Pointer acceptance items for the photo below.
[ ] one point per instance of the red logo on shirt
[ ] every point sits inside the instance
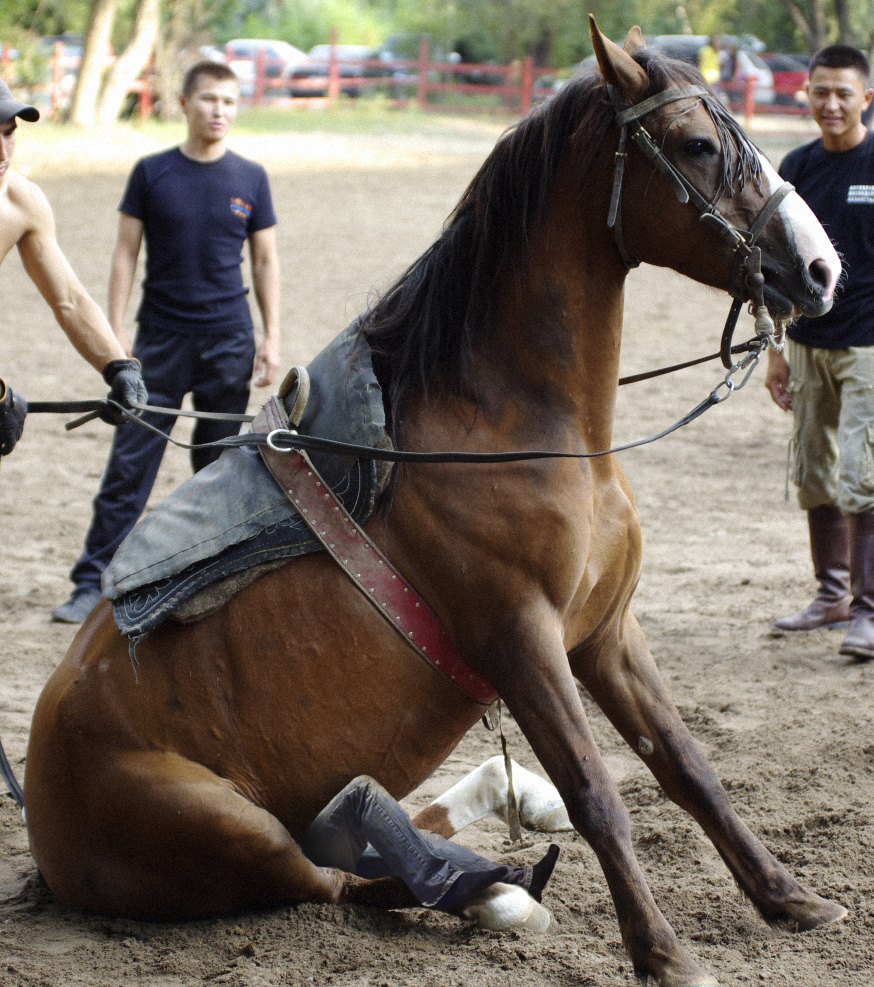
(241, 208)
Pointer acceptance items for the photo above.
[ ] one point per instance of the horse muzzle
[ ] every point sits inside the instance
(803, 290)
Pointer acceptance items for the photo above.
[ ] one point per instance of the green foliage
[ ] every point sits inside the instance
(44, 17)
(555, 32)
(305, 23)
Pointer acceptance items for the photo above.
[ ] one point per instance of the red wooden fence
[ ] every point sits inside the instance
(430, 85)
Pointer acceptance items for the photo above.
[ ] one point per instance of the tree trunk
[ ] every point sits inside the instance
(131, 63)
(813, 27)
(95, 54)
(845, 27)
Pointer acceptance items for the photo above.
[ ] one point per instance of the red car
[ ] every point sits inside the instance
(790, 76)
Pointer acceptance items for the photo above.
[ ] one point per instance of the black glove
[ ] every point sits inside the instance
(125, 379)
(13, 409)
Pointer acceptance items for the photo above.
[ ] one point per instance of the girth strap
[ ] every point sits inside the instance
(391, 595)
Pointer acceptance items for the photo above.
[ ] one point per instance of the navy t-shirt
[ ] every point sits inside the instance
(196, 219)
(839, 188)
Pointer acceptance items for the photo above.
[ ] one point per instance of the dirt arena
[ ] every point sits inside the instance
(785, 720)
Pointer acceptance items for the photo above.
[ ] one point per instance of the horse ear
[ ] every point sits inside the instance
(634, 40)
(616, 64)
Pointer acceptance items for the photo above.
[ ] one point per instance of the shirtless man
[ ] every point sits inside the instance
(26, 221)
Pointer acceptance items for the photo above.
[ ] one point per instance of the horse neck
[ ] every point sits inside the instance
(558, 325)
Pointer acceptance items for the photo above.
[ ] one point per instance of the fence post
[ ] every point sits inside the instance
(422, 86)
(526, 90)
(749, 99)
(57, 77)
(260, 75)
(147, 94)
(333, 70)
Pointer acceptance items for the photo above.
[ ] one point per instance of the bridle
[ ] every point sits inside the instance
(746, 280)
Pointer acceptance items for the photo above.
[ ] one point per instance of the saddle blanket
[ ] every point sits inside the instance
(231, 519)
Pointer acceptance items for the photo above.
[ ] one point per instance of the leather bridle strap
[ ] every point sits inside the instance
(640, 136)
(683, 189)
(745, 279)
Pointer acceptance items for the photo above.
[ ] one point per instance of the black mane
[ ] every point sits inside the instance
(423, 329)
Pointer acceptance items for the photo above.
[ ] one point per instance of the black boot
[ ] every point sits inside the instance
(860, 639)
(830, 551)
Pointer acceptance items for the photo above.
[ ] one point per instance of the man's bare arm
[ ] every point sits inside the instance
(74, 309)
(266, 278)
(122, 273)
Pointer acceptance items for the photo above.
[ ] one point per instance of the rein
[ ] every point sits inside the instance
(290, 440)
(89, 409)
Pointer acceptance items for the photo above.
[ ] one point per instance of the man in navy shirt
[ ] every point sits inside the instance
(196, 206)
(827, 377)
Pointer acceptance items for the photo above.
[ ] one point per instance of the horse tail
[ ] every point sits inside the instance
(15, 790)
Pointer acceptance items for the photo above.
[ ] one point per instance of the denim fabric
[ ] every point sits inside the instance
(236, 499)
(145, 607)
(364, 831)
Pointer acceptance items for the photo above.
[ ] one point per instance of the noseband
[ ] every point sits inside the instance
(746, 280)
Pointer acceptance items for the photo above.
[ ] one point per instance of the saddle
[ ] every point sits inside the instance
(209, 539)
(230, 523)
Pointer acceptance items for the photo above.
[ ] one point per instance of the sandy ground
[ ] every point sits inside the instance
(785, 720)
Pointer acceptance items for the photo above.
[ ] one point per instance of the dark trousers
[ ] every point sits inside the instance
(216, 370)
(364, 831)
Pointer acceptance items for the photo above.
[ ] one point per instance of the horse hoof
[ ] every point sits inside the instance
(810, 914)
(503, 907)
(686, 979)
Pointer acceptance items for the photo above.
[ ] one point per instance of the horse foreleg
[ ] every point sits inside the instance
(540, 691)
(629, 689)
(483, 792)
(157, 836)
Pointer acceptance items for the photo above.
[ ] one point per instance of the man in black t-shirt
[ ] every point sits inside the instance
(196, 206)
(827, 376)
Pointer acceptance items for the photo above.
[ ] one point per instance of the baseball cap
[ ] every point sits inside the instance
(10, 107)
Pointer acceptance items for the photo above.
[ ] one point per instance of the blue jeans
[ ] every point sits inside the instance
(216, 370)
(364, 831)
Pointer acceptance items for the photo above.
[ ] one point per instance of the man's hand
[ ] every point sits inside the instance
(777, 380)
(125, 379)
(266, 363)
(13, 410)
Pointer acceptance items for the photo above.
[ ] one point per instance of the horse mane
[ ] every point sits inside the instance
(423, 330)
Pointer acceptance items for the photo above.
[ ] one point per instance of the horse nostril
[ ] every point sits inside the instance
(820, 273)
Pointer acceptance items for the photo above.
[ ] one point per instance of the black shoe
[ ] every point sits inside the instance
(542, 872)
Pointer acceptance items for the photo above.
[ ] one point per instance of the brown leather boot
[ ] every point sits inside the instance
(830, 551)
(860, 639)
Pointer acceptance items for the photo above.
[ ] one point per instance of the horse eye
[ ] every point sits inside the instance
(699, 148)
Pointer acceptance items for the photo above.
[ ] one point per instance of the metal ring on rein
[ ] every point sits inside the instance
(748, 364)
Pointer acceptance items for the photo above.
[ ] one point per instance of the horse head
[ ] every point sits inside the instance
(682, 161)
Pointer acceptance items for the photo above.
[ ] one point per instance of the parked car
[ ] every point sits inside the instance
(790, 75)
(748, 64)
(241, 55)
(355, 64)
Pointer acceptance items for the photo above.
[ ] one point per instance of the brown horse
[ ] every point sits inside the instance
(177, 788)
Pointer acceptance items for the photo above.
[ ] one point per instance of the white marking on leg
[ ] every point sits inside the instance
(483, 793)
